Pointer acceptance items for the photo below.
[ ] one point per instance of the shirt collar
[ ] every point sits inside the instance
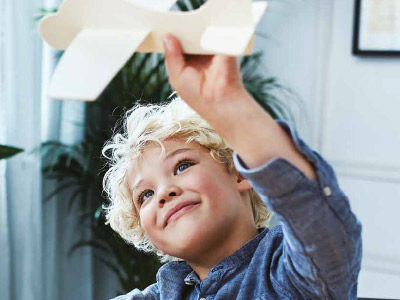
(182, 272)
(242, 255)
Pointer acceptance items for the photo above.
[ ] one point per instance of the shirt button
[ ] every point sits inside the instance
(327, 191)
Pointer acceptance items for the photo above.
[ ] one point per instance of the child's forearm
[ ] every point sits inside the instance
(322, 248)
(255, 136)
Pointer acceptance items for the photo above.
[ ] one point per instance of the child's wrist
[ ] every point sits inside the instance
(234, 112)
(237, 94)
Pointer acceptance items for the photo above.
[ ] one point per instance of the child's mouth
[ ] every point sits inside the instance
(181, 212)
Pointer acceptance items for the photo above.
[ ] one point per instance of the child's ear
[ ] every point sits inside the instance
(242, 183)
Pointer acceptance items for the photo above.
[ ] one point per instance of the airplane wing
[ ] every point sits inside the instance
(229, 40)
(234, 40)
(161, 5)
(92, 60)
(95, 56)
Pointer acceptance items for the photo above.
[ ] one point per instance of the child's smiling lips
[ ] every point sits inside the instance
(179, 210)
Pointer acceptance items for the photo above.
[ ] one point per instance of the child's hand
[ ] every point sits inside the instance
(205, 82)
(212, 86)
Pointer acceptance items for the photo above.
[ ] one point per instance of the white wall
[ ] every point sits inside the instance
(352, 112)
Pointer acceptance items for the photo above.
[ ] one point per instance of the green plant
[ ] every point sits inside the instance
(43, 12)
(8, 151)
(79, 168)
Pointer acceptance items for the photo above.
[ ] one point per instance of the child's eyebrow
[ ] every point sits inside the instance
(169, 155)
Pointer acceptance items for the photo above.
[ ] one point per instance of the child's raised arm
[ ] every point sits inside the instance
(317, 252)
(213, 87)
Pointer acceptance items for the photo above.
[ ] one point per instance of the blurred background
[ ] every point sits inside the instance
(330, 67)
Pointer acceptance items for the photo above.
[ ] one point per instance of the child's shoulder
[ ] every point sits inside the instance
(270, 243)
(149, 293)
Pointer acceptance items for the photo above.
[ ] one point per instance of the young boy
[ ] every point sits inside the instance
(208, 217)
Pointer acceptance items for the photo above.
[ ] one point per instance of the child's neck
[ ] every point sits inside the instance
(230, 245)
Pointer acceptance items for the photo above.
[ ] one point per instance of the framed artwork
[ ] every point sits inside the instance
(376, 27)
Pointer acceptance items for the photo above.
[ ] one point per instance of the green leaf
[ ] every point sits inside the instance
(182, 6)
(98, 212)
(59, 189)
(44, 12)
(8, 151)
(89, 243)
(195, 4)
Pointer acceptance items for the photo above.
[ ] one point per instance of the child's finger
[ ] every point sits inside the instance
(229, 62)
(174, 59)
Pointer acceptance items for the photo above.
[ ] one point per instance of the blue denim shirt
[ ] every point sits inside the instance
(315, 252)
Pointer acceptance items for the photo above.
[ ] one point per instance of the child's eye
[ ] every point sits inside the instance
(142, 196)
(182, 165)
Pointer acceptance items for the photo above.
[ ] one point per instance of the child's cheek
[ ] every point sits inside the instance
(148, 219)
(152, 228)
(209, 187)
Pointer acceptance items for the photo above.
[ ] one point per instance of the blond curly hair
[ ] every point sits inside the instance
(145, 124)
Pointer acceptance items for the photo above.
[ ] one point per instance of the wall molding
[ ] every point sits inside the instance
(377, 263)
(366, 171)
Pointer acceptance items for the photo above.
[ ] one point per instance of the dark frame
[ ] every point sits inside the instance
(356, 37)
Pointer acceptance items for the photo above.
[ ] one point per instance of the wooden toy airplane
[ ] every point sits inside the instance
(101, 35)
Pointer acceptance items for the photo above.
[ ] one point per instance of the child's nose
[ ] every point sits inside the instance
(172, 194)
(169, 194)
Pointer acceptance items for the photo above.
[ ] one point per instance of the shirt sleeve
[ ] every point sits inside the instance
(322, 237)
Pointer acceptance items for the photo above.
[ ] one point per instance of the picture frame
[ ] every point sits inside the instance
(376, 29)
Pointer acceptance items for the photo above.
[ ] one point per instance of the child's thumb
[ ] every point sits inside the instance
(174, 59)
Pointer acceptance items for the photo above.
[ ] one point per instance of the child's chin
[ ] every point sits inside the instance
(191, 235)
(185, 227)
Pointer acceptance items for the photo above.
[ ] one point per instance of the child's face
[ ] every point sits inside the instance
(217, 203)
